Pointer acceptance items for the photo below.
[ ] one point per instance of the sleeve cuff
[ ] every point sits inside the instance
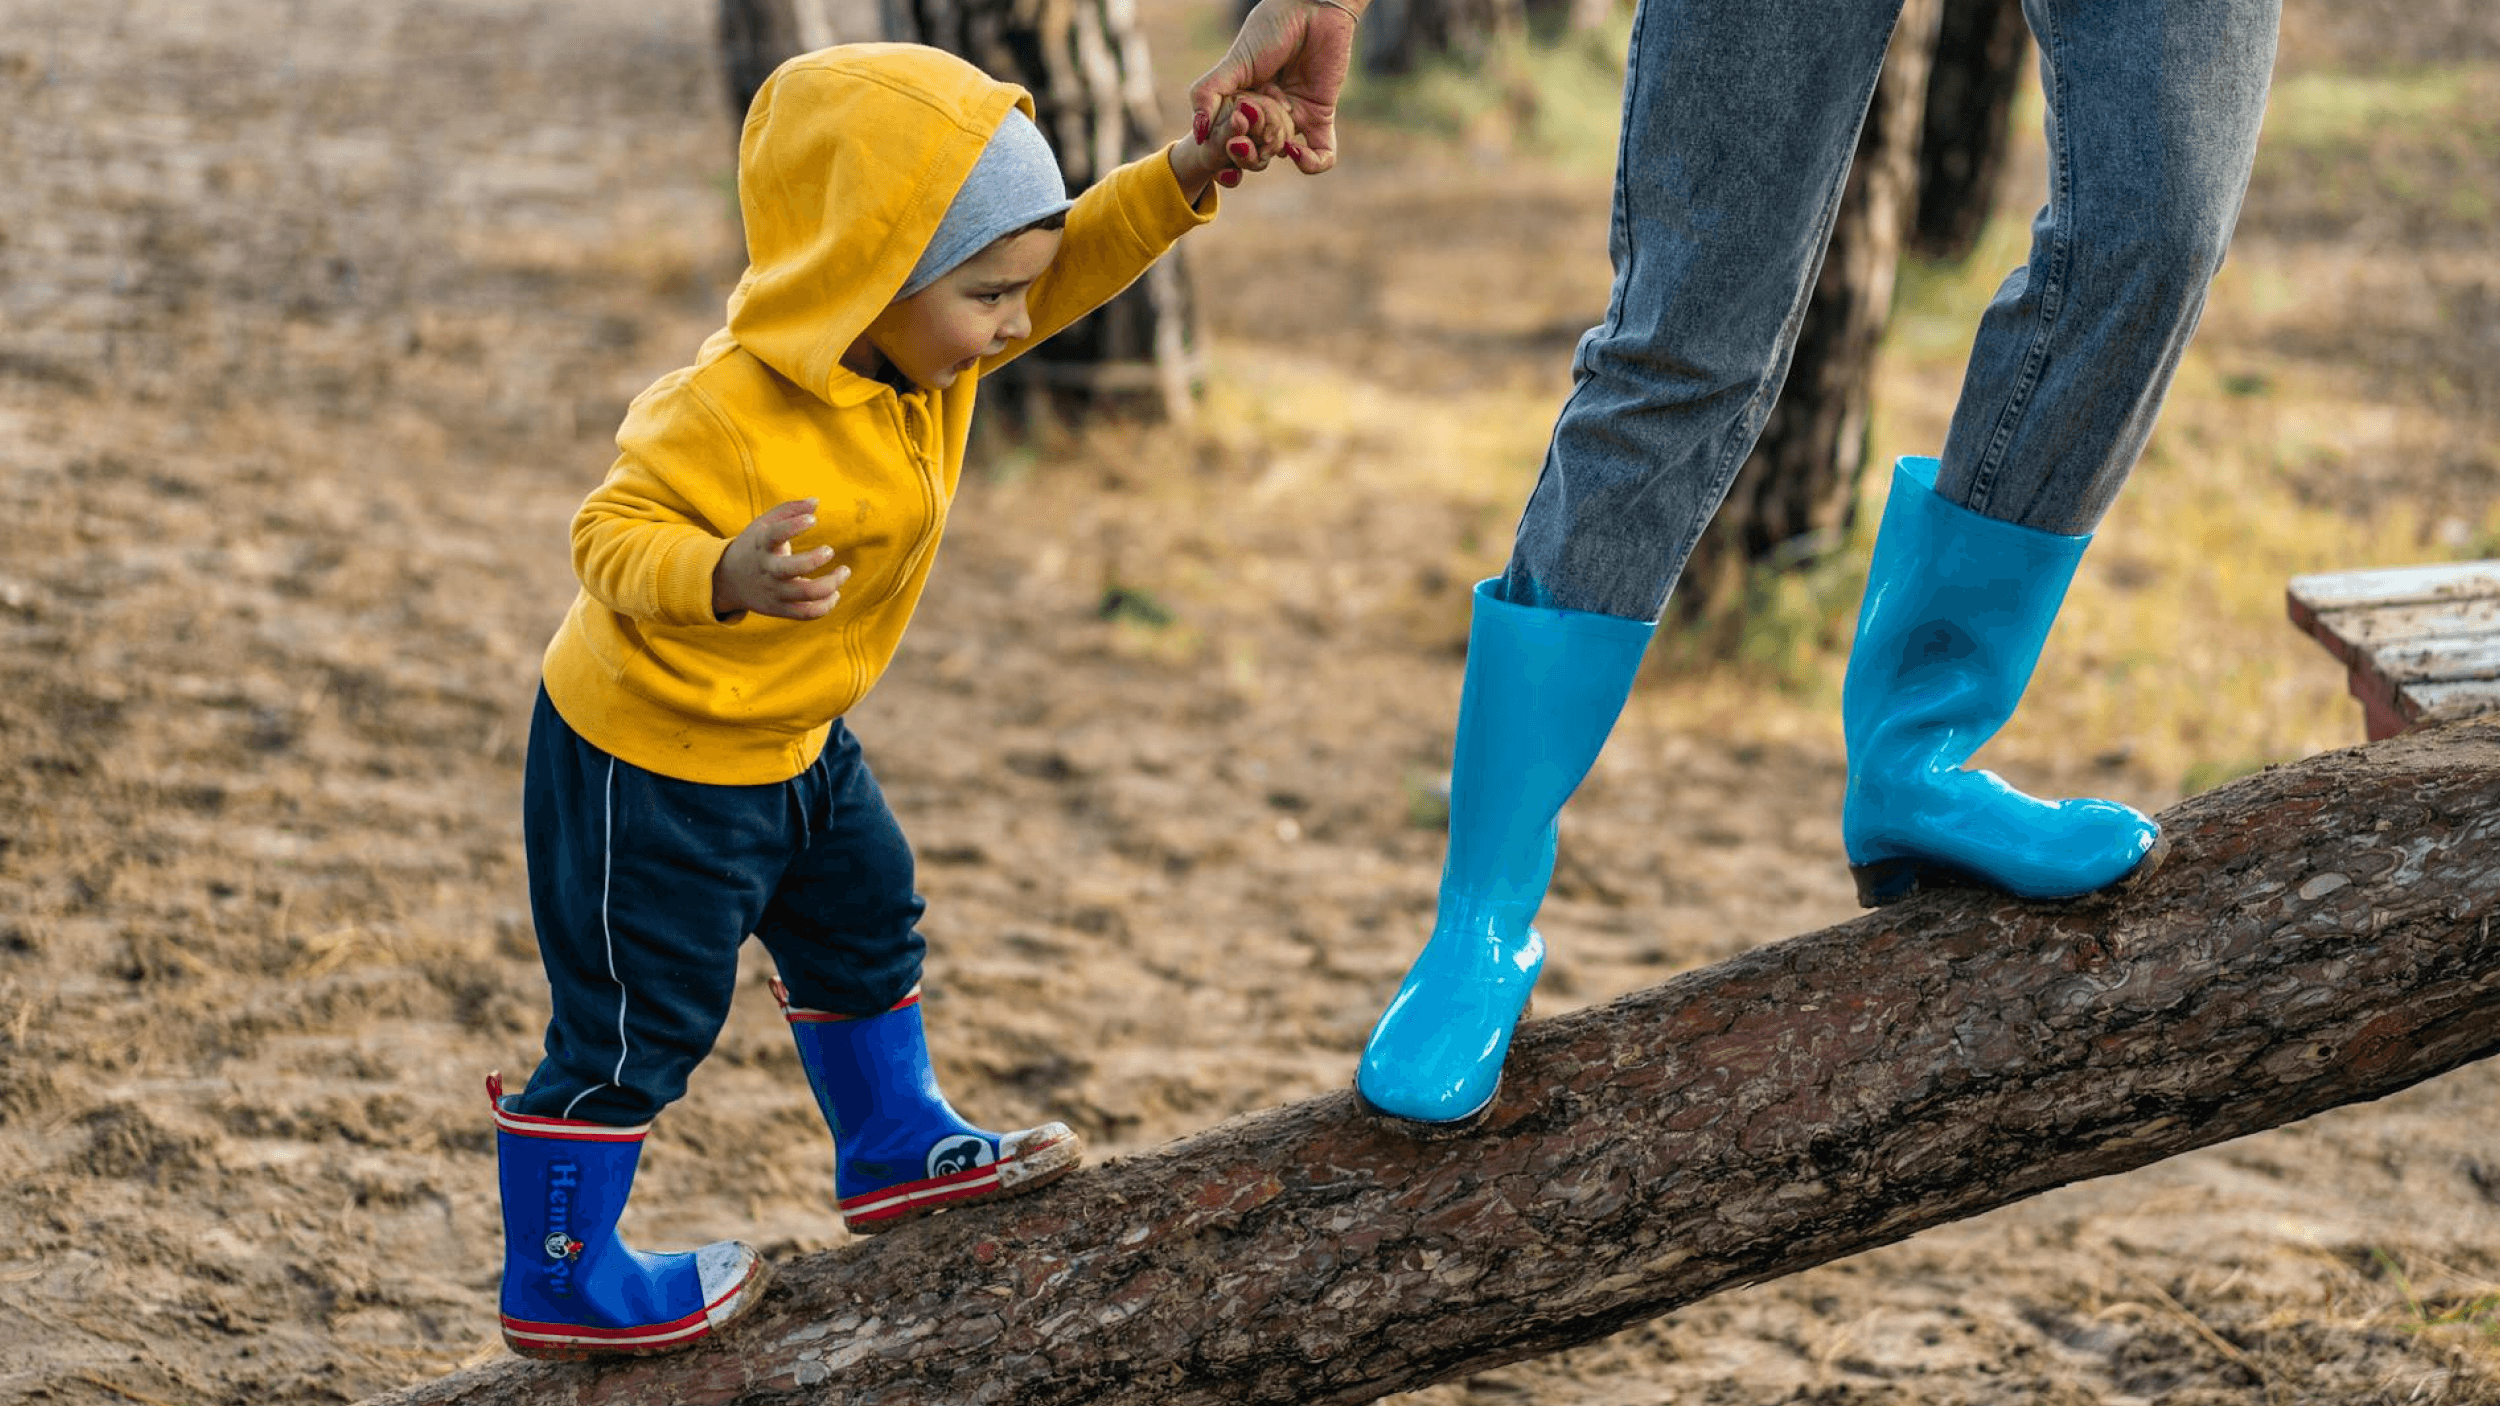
(686, 581)
(1150, 198)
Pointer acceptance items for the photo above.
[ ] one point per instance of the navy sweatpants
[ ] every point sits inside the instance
(643, 887)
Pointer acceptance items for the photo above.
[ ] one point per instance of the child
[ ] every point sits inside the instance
(747, 571)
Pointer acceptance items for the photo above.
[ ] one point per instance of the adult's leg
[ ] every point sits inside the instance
(1739, 123)
(2153, 111)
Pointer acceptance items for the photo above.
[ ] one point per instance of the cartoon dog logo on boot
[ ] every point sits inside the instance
(960, 1153)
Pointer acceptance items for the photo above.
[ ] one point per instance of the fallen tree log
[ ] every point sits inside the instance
(2321, 934)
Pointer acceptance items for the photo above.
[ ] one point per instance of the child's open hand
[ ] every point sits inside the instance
(758, 572)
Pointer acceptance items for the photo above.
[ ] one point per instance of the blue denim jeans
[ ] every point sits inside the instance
(1740, 118)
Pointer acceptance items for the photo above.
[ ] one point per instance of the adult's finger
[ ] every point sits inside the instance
(1315, 153)
(1213, 88)
(1269, 38)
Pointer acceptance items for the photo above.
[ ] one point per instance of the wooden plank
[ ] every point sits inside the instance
(2396, 585)
(2449, 702)
(2370, 627)
(2382, 716)
(2420, 643)
(2438, 661)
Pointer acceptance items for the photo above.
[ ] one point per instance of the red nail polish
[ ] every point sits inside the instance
(1198, 124)
(1242, 151)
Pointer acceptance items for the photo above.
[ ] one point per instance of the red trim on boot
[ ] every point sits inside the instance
(797, 1014)
(572, 1341)
(574, 1129)
(873, 1210)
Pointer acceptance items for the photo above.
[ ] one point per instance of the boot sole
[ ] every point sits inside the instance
(1889, 881)
(1034, 1168)
(742, 1301)
(1427, 1130)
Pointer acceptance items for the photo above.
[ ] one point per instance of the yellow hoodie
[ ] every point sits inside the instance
(849, 159)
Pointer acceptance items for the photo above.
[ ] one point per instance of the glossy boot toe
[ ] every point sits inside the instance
(1989, 835)
(1435, 1057)
(1957, 608)
(1542, 691)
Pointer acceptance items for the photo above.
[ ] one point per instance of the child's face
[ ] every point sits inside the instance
(974, 310)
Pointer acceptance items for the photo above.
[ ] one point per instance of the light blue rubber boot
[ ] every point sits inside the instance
(1957, 606)
(571, 1288)
(900, 1150)
(1542, 692)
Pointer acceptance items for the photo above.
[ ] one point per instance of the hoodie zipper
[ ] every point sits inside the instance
(907, 420)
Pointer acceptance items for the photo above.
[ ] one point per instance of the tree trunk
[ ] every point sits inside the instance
(755, 36)
(1980, 48)
(1400, 36)
(1085, 63)
(2321, 934)
(1796, 494)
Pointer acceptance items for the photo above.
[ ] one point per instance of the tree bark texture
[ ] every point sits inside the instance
(2321, 933)
(1978, 68)
(1793, 499)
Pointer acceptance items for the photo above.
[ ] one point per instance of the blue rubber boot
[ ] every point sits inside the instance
(899, 1150)
(1542, 692)
(571, 1289)
(1957, 606)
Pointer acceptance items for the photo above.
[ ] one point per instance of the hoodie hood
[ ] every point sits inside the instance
(849, 158)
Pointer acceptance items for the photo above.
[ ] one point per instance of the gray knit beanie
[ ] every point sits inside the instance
(1015, 183)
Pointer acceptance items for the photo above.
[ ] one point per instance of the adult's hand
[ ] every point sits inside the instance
(1297, 51)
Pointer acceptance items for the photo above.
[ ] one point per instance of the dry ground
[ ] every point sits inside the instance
(313, 321)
